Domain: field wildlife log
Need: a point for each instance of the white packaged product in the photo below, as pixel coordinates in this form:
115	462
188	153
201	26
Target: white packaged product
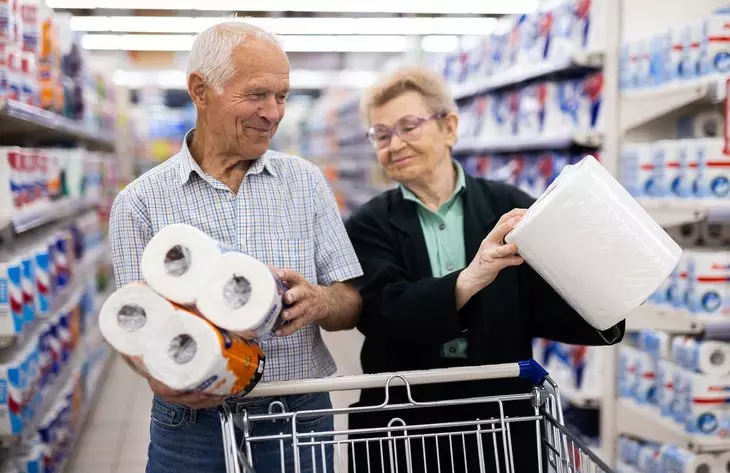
626	372
193	355
243	296
175	262
132	317
678	460
706	413
708	357
665	395
723	462
708	272
595	245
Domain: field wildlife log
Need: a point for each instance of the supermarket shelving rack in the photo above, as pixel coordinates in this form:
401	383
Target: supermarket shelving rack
23	125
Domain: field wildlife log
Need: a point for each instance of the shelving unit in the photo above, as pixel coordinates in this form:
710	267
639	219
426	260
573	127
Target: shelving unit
45	214
508	144
645	424
642	105
582	60
21	123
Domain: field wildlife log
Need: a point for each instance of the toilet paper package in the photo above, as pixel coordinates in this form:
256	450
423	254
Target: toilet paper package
656	343
591	99
648	459
41	261
715	46
705	403
243	295
647	174
665	395
677	54
595	245
713	169
132	317
708	273
706	124
673	172
177	259
689	171
707	357
676	460
628	450
714	234
191	354
627	371
645	390
695	36
11	299
629	170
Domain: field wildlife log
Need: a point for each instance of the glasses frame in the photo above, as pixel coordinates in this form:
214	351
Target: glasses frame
394	130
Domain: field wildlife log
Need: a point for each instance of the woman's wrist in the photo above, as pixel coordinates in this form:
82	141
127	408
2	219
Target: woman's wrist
466	288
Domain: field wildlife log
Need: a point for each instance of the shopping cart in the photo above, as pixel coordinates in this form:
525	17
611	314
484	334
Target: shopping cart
476	440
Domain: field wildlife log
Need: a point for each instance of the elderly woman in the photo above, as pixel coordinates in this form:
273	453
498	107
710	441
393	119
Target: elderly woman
440	287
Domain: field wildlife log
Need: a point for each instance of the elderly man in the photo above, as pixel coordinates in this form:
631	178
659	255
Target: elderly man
274	207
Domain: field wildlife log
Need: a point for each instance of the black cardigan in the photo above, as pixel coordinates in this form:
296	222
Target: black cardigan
408	314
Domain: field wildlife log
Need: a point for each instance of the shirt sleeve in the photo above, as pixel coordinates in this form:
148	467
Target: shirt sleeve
334	254
129	233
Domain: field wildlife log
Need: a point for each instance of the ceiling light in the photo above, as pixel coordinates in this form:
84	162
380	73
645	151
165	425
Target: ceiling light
291	25
299	79
371	6
291	43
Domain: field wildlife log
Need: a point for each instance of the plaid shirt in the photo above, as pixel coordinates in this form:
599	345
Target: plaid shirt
284	215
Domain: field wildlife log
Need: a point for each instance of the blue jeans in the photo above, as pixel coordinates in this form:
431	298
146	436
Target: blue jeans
184	440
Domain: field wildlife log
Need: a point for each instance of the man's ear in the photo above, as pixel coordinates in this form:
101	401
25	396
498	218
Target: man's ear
451	126
198	90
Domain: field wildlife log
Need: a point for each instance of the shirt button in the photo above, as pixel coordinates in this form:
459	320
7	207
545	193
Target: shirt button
442	227
450	267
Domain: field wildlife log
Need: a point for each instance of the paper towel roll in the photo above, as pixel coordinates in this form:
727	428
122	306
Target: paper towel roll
677	460
709	357
242	295
175	262
708	271
595	245
194	355
132	317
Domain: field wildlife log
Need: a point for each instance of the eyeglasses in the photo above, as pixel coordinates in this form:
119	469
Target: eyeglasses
408	128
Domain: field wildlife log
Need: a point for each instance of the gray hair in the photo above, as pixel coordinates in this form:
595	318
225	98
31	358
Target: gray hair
212	49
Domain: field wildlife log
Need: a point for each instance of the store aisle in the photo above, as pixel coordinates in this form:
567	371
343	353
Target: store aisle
115	438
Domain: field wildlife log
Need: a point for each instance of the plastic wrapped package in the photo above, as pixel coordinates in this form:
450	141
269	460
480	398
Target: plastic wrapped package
595	245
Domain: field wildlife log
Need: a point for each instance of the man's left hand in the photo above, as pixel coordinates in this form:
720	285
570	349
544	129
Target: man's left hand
308	303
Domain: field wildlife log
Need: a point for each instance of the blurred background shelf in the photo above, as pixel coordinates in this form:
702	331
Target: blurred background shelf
25	124
518	143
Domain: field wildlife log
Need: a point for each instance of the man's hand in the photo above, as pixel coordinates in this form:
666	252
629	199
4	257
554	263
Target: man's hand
308	303
187	399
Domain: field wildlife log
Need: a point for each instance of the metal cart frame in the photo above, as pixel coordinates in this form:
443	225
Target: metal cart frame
558	449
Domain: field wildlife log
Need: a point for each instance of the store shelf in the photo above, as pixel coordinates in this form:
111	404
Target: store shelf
520	74
41	215
666	319
670	213
518	143
36	126
643	105
645	424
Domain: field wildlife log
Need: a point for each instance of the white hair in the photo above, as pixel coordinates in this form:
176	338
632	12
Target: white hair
212	49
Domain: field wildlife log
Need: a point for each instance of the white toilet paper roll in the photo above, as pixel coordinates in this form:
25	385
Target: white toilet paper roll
595	245
709	124
678	460
176	260
709	357
242	296
193	355
133	317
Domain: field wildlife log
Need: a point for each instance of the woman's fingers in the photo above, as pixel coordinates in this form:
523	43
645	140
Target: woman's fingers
496	236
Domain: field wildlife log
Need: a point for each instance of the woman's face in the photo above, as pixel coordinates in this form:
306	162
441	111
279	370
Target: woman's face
409	161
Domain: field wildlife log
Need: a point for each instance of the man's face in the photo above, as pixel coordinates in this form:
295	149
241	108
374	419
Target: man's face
247	113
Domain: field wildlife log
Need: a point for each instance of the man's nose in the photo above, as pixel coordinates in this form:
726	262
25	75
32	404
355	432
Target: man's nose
270	110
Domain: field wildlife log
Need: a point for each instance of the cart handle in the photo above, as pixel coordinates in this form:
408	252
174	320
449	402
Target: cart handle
529	369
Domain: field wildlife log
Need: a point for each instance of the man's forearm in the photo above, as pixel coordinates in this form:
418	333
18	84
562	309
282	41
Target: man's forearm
344	307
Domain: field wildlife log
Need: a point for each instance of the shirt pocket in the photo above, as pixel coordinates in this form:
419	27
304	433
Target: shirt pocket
287	253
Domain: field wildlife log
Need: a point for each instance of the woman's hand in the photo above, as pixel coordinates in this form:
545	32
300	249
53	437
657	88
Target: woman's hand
493	256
